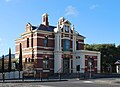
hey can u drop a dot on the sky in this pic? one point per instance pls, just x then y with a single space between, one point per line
97 20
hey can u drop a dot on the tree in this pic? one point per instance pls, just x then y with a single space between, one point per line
9 63
3 67
20 58
2 63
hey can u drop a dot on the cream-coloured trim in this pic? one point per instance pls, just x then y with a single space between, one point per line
86 51
66 38
51 58
37 52
25 39
81 42
44 32
42 69
28 33
43 47
95 66
39 57
17 44
82 38
46 70
42 37
38 68
95 59
18 39
43 52
43 58
34 49
51 69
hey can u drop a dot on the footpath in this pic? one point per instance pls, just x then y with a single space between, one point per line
32 80
98 80
107 80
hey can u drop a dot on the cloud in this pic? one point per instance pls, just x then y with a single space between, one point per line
71 11
92 7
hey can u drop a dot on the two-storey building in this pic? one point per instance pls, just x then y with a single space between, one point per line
56 48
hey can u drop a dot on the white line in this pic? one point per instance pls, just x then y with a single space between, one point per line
87 82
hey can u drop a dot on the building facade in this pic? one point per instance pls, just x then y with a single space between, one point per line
55 49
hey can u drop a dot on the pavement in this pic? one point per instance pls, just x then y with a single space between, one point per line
97 81
108 81
32 80
101 82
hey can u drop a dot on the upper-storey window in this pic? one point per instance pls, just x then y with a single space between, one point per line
46 41
66 45
66 28
77 47
27 42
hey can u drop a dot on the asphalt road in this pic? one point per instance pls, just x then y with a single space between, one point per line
75 83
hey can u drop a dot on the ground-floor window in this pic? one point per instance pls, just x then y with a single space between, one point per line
45 63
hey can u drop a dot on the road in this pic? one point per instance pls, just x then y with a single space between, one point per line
70 83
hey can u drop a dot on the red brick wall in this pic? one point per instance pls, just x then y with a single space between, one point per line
42 56
40 41
94 64
80 46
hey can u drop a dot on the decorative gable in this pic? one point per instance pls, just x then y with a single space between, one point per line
67 22
28 27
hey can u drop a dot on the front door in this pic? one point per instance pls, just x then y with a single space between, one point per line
66 65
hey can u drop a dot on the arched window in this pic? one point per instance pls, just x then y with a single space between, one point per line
66 45
46 41
25 60
66 28
77 45
27 42
46 63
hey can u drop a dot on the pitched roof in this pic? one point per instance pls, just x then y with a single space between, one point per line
117 62
43 27
81 35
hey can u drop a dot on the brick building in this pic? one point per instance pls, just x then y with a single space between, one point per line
56 48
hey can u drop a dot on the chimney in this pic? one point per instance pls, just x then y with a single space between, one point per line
45 19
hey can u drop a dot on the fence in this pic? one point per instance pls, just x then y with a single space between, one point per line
11 75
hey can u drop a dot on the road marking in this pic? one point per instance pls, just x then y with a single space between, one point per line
45 86
87 82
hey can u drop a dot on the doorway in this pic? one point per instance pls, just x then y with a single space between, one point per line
66 65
